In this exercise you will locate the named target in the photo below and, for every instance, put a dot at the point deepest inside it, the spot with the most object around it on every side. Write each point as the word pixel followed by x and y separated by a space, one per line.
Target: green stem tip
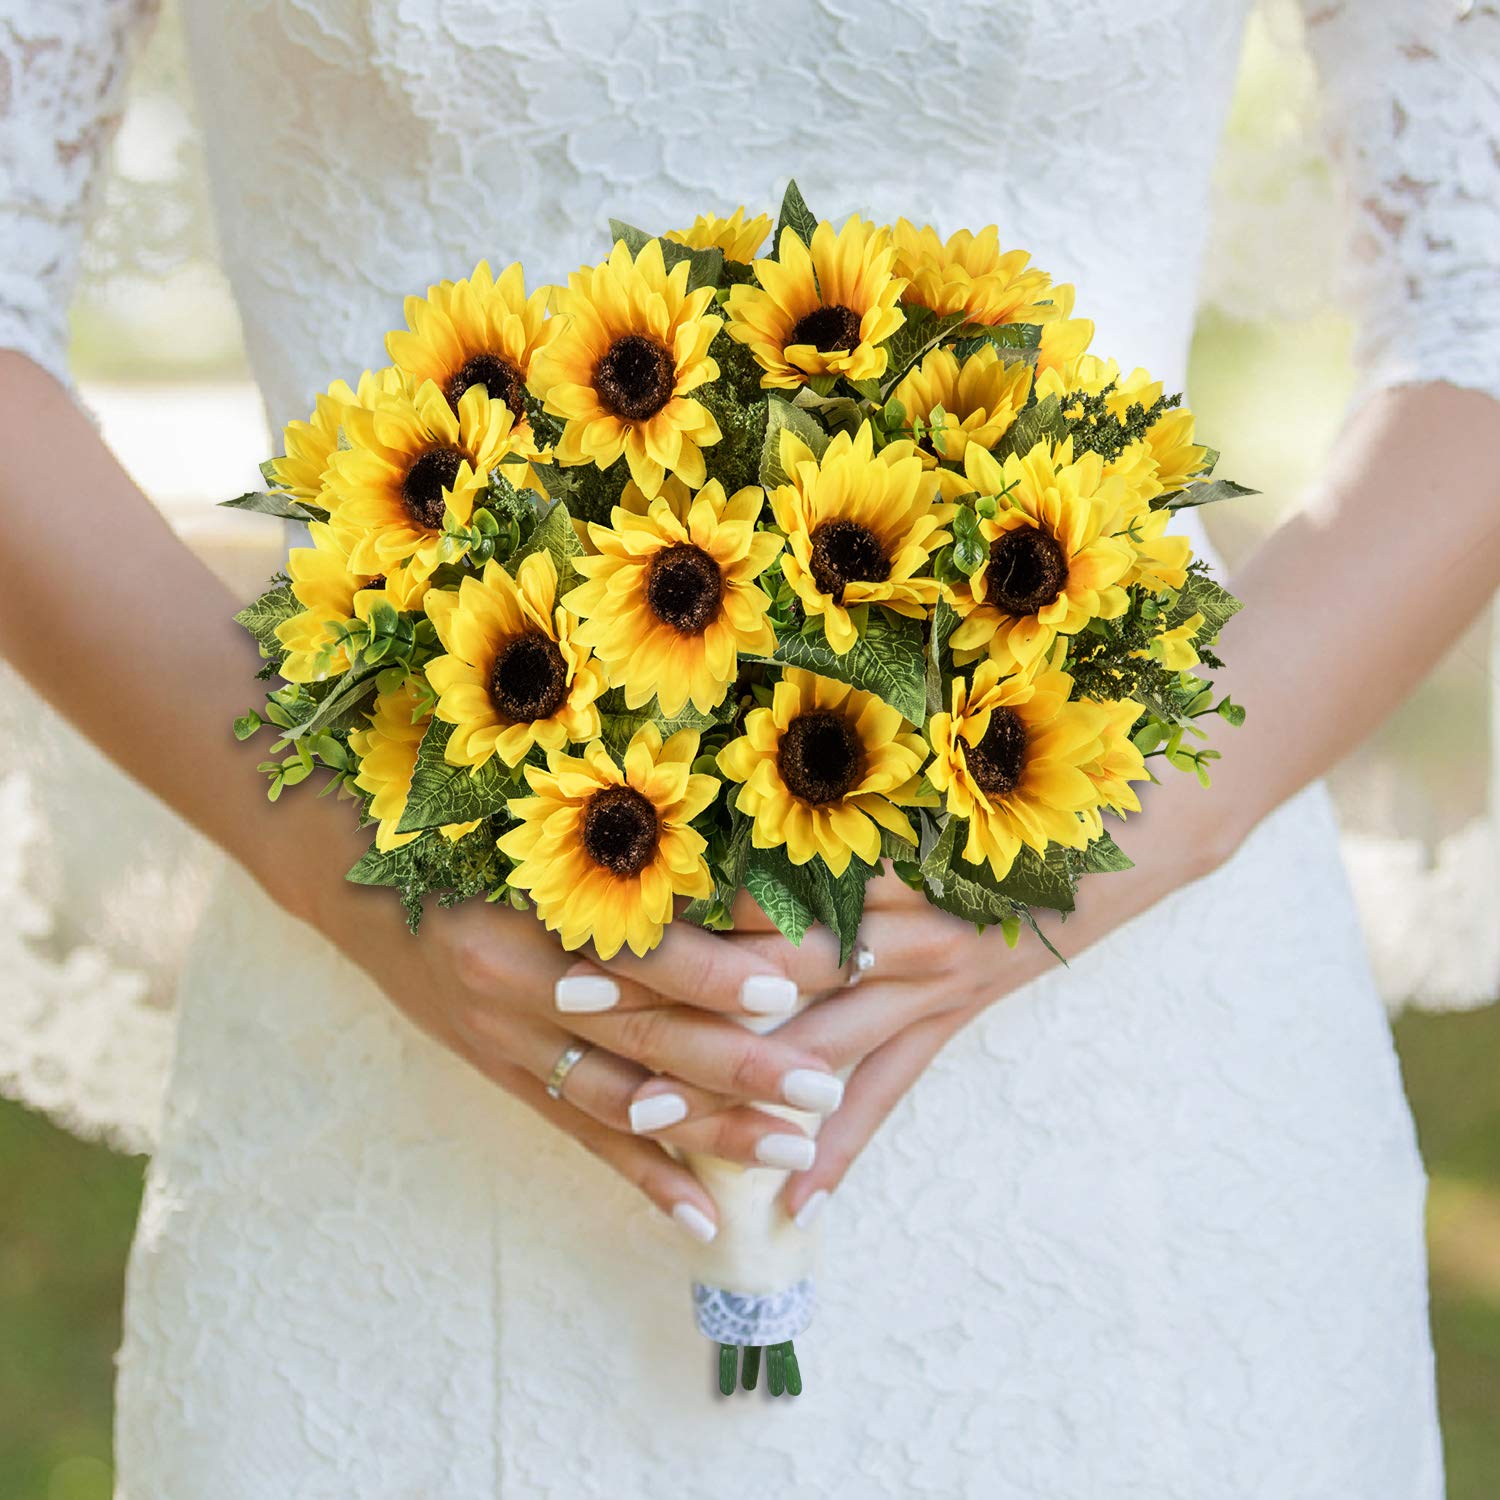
pixel 783 1375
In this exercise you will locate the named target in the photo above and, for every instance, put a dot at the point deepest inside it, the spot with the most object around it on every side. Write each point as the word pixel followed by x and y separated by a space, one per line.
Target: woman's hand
pixel 487 983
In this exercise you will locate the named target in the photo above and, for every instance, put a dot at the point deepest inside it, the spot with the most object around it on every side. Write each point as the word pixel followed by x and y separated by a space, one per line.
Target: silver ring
pixel 571 1056
pixel 861 962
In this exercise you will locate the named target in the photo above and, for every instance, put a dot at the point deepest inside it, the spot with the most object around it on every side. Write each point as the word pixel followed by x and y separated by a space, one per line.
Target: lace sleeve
pixel 63 67
pixel 1411 109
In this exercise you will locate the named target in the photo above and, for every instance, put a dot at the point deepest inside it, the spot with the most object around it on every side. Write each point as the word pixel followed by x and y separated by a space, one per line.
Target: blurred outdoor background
pixel 157 352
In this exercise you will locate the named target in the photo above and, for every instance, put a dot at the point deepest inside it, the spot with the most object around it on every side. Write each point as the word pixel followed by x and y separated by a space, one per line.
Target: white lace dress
pixel 1146 1229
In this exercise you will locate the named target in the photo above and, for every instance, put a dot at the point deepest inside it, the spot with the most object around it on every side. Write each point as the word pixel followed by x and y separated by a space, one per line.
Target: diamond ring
pixel 861 961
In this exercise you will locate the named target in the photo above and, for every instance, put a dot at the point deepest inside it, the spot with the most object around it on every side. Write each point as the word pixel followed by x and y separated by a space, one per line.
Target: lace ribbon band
pixel 753 1318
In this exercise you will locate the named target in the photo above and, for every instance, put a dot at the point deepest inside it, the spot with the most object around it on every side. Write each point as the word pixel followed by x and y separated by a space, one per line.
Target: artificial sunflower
pixel 1055 561
pixel 1064 338
pixel 334 598
pixel 1014 759
pixel 387 751
pixel 823 770
pixel 310 445
pixel 861 528
pixel 412 460
pixel 633 343
pixel 516 675
pixel 483 330
pixel 969 273
pixel 1117 763
pixel 738 237
pixel 972 402
pixel 823 309
pixel 670 599
pixel 604 849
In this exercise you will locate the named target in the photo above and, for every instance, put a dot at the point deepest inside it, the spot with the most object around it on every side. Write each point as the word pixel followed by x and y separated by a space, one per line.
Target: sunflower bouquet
pixel 712 571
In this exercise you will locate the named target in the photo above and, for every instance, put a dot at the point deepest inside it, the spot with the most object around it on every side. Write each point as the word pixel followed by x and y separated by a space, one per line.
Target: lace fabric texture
pixel 1188 1212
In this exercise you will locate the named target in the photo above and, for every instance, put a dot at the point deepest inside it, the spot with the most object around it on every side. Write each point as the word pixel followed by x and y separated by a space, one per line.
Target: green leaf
pixel 618 723
pixel 782 415
pixel 956 886
pixel 1008 336
pixel 1200 595
pixel 1040 880
pixel 784 898
pixel 1103 856
pixel 1206 493
pixel 336 709
pixel 442 793
pixel 261 617
pixel 888 660
pixel 728 854
pixel 796 216
pixel 921 330
pixel 706 267
pixel 1041 423
pixel 1231 712
pixel 274 503
pixel 247 724
pixel 841 900
pixel 554 534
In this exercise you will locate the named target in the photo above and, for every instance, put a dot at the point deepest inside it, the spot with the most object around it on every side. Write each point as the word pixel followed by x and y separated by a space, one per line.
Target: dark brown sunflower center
pixel 1027 571
pixel 827 328
pixel 820 756
pixel 684 588
pixel 845 552
pixel 425 481
pixel 497 375
pixel 635 378
pixel 997 761
pixel 620 830
pixel 529 679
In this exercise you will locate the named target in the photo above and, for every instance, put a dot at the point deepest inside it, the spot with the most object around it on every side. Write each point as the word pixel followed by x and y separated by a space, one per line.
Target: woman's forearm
pixel 115 622
pixel 1347 606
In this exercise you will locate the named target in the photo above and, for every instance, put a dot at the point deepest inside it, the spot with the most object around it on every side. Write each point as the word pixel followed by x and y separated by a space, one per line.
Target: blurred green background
pixel 147 347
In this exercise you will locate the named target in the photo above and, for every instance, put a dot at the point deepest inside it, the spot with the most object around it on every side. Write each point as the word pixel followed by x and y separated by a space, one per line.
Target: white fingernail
pixel 657 1112
pixel 695 1222
pixel 583 994
pixel 806 1088
pixel 768 995
pixel 807 1215
pixel 792 1153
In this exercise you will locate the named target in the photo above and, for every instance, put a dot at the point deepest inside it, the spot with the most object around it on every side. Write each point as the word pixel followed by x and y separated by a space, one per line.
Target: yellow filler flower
pixel 387 750
pixel 823 769
pixel 516 675
pixel 1018 760
pixel 633 343
pixel 671 600
pixel 861 528
pixel 1054 562
pixel 605 849
pixel 820 310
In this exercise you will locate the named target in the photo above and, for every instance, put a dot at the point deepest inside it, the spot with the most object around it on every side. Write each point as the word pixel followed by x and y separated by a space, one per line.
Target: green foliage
pixel 888 660
pixel 783 416
pixel 261 617
pixel 728 855
pixel 796 216
pixel 1041 422
pixel 554 534
pixel 794 897
pixel 454 871
pixel 737 403
pixel 442 793
pixel 275 503
pixel 1208 493
pixel 1201 595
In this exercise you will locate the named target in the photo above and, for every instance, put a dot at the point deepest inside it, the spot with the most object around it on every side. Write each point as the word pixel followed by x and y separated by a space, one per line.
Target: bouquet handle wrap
pixel 753 1285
